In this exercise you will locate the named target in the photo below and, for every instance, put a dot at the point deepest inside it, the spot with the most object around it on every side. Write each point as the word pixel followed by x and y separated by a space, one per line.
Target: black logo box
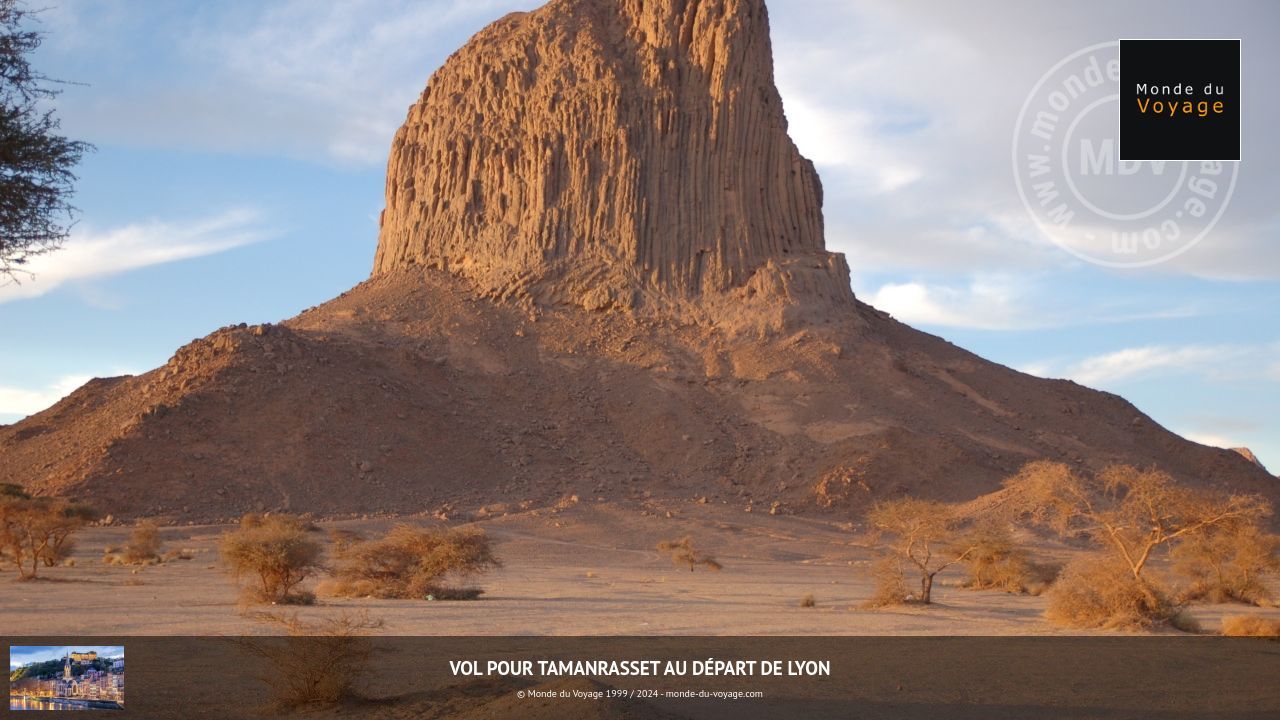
pixel 1185 65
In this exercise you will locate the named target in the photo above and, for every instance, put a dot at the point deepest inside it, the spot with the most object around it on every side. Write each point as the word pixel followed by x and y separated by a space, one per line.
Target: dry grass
pixel 1250 626
pixel 274 554
pixel 412 563
pixel 1097 592
pixel 683 552
pixel 319 664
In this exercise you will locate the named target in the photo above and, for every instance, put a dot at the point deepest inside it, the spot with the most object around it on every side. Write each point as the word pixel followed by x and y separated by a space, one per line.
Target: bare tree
pixel 922 535
pixel 318 664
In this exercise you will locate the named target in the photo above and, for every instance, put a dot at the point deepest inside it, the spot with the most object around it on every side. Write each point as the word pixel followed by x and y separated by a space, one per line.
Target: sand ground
pixel 586 569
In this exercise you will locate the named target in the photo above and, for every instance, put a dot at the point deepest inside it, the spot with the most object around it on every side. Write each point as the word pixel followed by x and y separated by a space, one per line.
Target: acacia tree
pixel 1131 511
pixel 922 535
pixel 37 530
pixel 36 178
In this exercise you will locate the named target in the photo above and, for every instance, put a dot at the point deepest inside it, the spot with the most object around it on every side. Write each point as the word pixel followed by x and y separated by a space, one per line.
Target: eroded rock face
pixel 613 153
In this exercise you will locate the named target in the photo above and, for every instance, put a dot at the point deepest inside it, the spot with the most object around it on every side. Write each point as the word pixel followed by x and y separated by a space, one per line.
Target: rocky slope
pixel 601 273
pixel 415 392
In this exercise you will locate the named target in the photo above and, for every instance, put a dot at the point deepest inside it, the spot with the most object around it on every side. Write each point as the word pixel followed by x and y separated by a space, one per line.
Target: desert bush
pixel 275 553
pixel 890 584
pixel 921 535
pixel 995 562
pixel 37 531
pixel 683 552
pixel 1250 626
pixel 143 545
pixel 808 601
pixel 319 664
pixel 412 562
pixel 1229 564
pixel 1098 592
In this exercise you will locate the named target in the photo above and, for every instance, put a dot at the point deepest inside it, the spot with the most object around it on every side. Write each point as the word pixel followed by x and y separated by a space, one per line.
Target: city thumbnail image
pixel 52 677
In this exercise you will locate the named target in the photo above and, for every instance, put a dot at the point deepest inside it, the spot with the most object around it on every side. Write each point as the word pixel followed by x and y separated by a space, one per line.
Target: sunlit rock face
pixel 613 154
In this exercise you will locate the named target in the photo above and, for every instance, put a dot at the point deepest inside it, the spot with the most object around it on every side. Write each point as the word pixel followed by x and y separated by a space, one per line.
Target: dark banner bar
pixel 694 677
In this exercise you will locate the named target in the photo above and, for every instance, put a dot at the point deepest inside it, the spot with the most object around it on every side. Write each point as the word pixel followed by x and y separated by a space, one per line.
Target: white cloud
pixel 1212 440
pixel 1212 361
pixel 1003 302
pixel 89 253
pixel 984 304
pixel 20 402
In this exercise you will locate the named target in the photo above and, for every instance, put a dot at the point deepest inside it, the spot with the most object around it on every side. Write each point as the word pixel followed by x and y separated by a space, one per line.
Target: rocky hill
pixel 601 273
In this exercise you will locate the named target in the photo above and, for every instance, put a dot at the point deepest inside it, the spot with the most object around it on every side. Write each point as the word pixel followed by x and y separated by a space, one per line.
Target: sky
pixel 241 149
pixel 20 655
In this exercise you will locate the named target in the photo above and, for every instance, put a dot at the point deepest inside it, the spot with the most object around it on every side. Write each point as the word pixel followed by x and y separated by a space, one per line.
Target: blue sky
pixel 241 151
pixel 20 655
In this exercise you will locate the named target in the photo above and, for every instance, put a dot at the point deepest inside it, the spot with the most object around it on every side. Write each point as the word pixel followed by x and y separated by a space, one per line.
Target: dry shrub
pixel 275 554
pixel 1250 626
pixel 36 531
pixel 143 545
pixel 343 539
pixel 808 601
pixel 319 664
pixel 412 562
pixel 995 562
pixel 1098 592
pixel 890 584
pixel 1229 565
pixel 683 552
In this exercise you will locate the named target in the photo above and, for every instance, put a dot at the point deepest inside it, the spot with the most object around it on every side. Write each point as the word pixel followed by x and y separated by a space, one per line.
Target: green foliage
pixel 36 179
pixel 46 669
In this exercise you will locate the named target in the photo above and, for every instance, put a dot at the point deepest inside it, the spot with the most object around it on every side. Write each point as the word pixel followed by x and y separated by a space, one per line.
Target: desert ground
pixel 584 568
